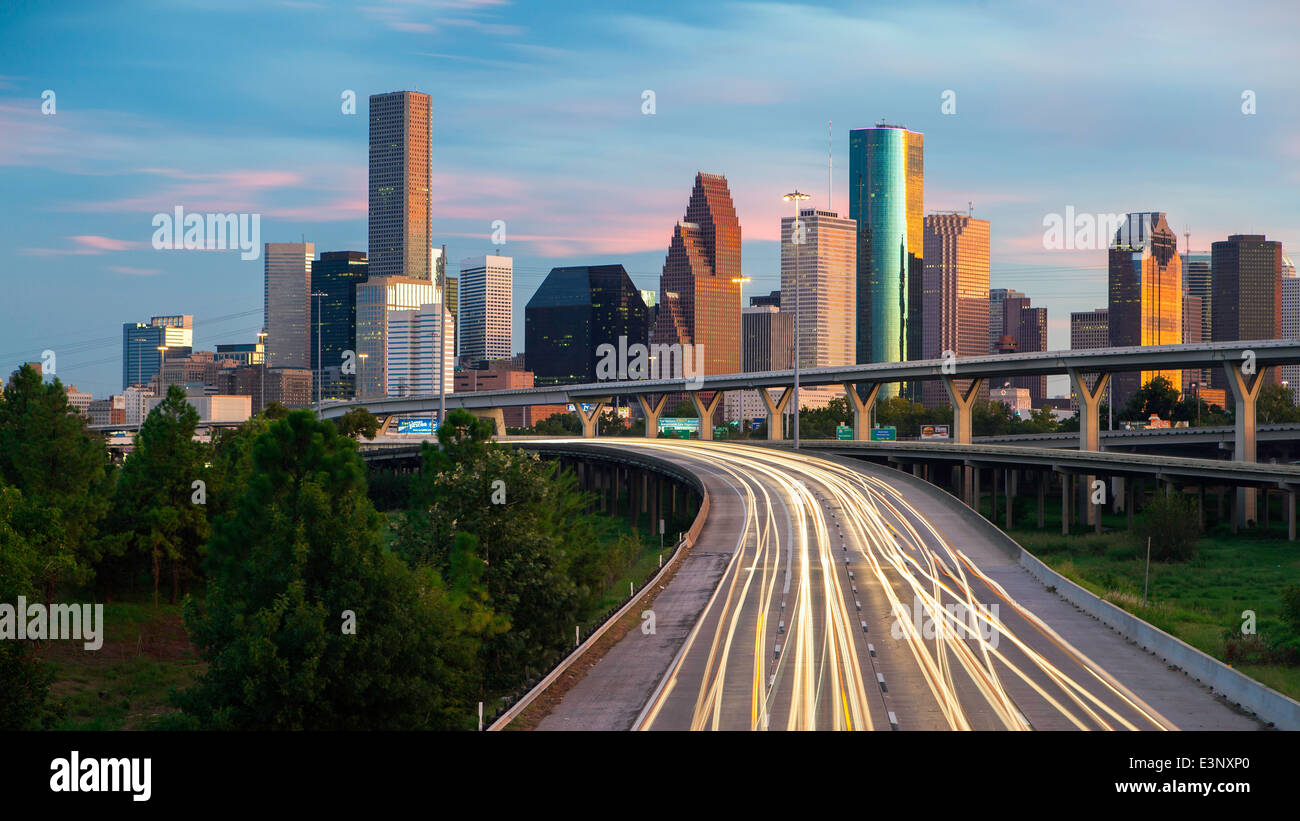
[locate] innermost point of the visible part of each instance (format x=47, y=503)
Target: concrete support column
x=1043, y=477
x=1245, y=390
x=706, y=411
x=977, y=488
x=993, y=495
x=589, y=420
x=1010, y=491
x=1129, y=490
x=775, y=411
x=962, y=402
x=652, y=413
x=1290, y=514
x=862, y=407
x=1065, y=504
x=1089, y=422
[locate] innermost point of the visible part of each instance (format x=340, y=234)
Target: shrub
x=1172, y=524
x=1291, y=606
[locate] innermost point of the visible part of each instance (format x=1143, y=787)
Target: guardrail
x=1266, y=703
x=688, y=539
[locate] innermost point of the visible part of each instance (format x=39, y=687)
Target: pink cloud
x=104, y=243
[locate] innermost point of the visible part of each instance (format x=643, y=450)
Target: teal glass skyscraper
x=886, y=177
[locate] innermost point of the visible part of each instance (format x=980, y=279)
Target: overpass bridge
x=1244, y=365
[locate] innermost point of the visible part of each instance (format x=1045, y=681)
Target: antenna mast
x=830, y=175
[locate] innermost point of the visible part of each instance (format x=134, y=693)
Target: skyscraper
x=376, y=297
x=412, y=361
x=1197, y=282
x=1191, y=336
x=826, y=296
x=768, y=345
x=1145, y=295
x=485, y=300
x=575, y=311
x=1291, y=323
x=401, y=129
x=141, y=359
x=286, y=298
x=886, y=181
x=334, y=319
x=699, y=289
x=1089, y=329
x=1247, y=301
x=955, y=298
x=997, y=323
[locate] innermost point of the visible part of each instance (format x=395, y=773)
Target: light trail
x=849, y=533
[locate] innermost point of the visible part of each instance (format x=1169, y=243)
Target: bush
x=1172, y=524
x=1291, y=606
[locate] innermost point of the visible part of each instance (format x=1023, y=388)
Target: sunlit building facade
x=485, y=301
x=699, y=289
x=955, y=293
x=1145, y=295
x=401, y=129
x=825, y=298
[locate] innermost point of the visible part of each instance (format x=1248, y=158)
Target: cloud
x=87, y=244
x=134, y=272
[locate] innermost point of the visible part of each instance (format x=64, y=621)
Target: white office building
x=485, y=326
x=413, y=344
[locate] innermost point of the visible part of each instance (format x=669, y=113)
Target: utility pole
x=320, y=369
x=442, y=333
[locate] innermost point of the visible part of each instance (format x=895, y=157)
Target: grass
x=124, y=685
x=1200, y=602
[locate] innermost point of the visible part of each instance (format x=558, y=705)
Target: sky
x=539, y=121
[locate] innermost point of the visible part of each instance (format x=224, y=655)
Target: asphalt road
x=830, y=595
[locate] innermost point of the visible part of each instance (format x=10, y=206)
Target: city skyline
x=99, y=168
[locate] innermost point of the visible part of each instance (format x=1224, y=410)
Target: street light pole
x=320, y=369
x=796, y=197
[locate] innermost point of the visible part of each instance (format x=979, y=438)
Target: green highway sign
x=888, y=434
x=843, y=433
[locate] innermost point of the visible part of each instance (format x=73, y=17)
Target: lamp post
x=363, y=357
x=1196, y=393
x=162, y=362
x=796, y=196
x=320, y=370
x=261, y=338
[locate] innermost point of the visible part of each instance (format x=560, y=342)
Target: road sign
x=887, y=434
x=417, y=426
x=720, y=433
x=844, y=433
x=682, y=427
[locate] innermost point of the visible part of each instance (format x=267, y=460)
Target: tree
x=160, y=503
x=301, y=554
x=24, y=679
x=274, y=411
x=1159, y=396
x=1171, y=523
x=559, y=424
x=358, y=422
x=1274, y=406
x=542, y=554
x=62, y=470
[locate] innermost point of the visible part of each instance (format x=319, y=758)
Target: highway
x=843, y=606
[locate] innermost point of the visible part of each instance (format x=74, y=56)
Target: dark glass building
x=575, y=311
x=1246, y=274
x=334, y=320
